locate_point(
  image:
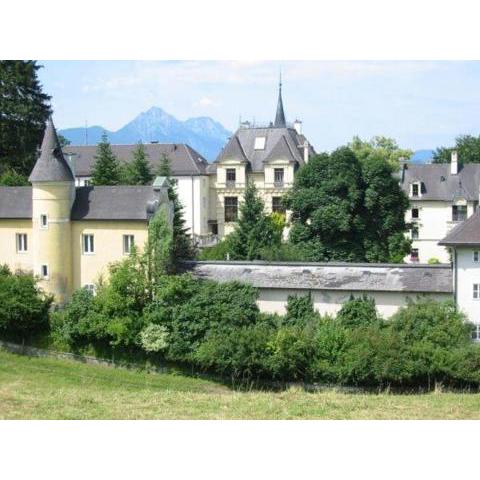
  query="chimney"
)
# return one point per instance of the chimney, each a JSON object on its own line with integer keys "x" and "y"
{"x": 454, "y": 163}
{"x": 297, "y": 125}
{"x": 306, "y": 151}
{"x": 403, "y": 166}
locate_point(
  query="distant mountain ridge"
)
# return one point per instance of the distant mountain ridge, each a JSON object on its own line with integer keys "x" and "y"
{"x": 204, "y": 134}
{"x": 422, "y": 156}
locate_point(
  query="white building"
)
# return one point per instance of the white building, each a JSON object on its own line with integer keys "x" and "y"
{"x": 441, "y": 196}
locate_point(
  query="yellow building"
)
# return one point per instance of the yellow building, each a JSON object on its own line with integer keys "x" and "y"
{"x": 67, "y": 235}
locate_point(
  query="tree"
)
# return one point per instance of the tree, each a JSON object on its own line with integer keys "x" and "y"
{"x": 63, "y": 141}
{"x": 10, "y": 178}
{"x": 182, "y": 243}
{"x": 467, "y": 146}
{"x": 24, "y": 110}
{"x": 379, "y": 147}
{"x": 138, "y": 171}
{"x": 254, "y": 230}
{"x": 347, "y": 209}
{"x": 106, "y": 169}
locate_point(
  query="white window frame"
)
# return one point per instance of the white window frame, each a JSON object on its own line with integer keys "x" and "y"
{"x": 419, "y": 186}
{"x": 22, "y": 246}
{"x": 418, "y": 212}
{"x": 476, "y": 333}
{"x": 130, "y": 244}
{"x": 476, "y": 291}
{"x": 88, "y": 247}
{"x": 90, "y": 287}
{"x": 44, "y": 226}
{"x": 47, "y": 275}
{"x": 476, "y": 256}
{"x": 260, "y": 143}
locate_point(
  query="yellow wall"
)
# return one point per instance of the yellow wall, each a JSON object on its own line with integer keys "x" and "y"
{"x": 108, "y": 240}
{"x": 8, "y": 244}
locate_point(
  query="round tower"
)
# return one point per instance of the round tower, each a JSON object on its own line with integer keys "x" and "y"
{"x": 53, "y": 193}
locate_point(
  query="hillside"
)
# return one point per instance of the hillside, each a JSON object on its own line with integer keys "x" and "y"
{"x": 202, "y": 133}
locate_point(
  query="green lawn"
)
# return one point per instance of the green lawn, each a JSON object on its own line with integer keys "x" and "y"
{"x": 38, "y": 388}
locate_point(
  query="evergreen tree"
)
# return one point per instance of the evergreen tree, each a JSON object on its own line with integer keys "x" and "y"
{"x": 183, "y": 248}
{"x": 255, "y": 230}
{"x": 24, "y": 110}
{"x": 106, "y": 170}
{"x": 138, "y": 171}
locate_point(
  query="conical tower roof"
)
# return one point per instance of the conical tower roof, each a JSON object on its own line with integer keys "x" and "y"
{"x": 280, "y": 115}
{"x": 51, "y": 166}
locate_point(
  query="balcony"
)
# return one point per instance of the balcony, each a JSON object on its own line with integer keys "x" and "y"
{"x": 230, "y": 183}
{"x": 278, "y": 184}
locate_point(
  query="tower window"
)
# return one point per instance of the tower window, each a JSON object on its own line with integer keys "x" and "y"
{"x": 260, "y": 143}
{"x": 231, "y": 176}
{"x": 88, "y": 244}
{"x": 128, "y": 242}
{"x": 231, "y": 209}
{"x": 43, "y": 221}
{"x": 278, "y": 177}
{"x": 44, "y": 272}
{"x": 22, "y": 245}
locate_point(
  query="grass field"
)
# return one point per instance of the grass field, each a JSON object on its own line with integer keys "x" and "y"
{"x": 39, "y": 388}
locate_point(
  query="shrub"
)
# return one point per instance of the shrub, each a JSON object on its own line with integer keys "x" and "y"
{"x": 358, "y": 312}
{"x": 217, "y": 252}
{"x": 433, "y": 261}
{"x": 300, "y": 310}
{"x": 154, "y": 338}
{"x": 24, "y": 306}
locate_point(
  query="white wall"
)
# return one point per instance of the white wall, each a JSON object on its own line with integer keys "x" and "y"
{"x": 468, "y": 273}
{"x": 273, "y": 300}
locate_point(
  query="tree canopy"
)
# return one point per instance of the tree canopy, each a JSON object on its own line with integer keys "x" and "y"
{"x": 106, "y": 169}
{"x": 24, "y": 110}
{"x": 467, "y": 146}
{"x": 138, "y": 171}
{"x": 345, "y": 209}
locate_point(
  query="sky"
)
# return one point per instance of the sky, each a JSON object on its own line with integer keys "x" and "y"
{"x": 421, "y": 104}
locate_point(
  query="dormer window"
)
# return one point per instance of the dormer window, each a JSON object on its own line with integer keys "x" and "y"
{"x": 416, "y": 189}
{"x": 260, "y": 143}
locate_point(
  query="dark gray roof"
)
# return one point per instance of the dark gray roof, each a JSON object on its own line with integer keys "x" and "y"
{"x": 112, "y": 203}
{"x": 330, "y": 276}
{"x": 440, "y": 184}
{"x": 467, "y": 233}
{"x": 184, "y": 160}
{"x": 281, "y": 151}
{"x": 233, "y": 151}
{"x": 256, "y": 158}
{"x": 280, "y": 115}
{"x": 51, "y": 165}
{"x": 15, "y": 202}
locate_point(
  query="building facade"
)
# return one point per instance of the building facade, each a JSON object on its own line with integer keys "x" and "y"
{"x": 441, "y": 197}
{"x": 67, "y": 235}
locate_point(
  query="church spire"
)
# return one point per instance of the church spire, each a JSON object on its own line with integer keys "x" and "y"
{"x": 280, "y": 116}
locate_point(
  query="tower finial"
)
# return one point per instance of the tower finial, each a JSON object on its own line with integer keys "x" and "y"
{"x": 280, "y": 116}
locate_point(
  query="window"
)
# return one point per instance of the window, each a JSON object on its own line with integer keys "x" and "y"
{"x": 476, "y": 256}
{"x": 90, "y": 287}
{"x": 88, "y": 245}
{"x": 278, "y": 177}
{"x": 476, "y": 291}
{"x": 259, "y": 143}
{"x": 231, "y": 176}
{"x": 231, "y": 209}
{"x": 128, "y": 242}
{"x": 22, "y": 242}
{"x": 476, "y": 333}
{"x": 415, "y": 189}
{"x": 277, "y": 205}
{"x": 44, "y": 271}
{"x": 87, "y": 183}
{"x": 459, "y": 213}
{"x": 43, "y": 221}
{"x": 415, "y": 213}
{"x": 415, "y": 233}
{"x": 414, "y": 255}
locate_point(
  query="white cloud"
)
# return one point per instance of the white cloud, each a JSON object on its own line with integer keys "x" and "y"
{"x": 205, "y": 102}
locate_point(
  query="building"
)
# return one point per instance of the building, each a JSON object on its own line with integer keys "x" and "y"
{"x": 266, "y": 155}
{"x": 189, "y": 169}
{"x": 68, "y": 235}
{"x": 441, "y": 196}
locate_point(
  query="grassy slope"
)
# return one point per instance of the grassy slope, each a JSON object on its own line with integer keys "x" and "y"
{"x": 34, "y": 388}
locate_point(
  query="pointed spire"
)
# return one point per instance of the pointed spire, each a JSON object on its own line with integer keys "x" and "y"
{"x": 51, "y": 166}
{"x": 280, "y": 116}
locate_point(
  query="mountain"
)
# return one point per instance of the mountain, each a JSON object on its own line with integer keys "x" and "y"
{"x": 202, "y": 133}
{"x": 422, "y": 156}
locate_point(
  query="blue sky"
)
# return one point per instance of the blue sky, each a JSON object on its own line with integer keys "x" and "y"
{"x": 420, "y": 104}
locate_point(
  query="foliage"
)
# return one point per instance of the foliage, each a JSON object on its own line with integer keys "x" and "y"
{"x": 24, "y": 111}
{"x": 299, "y": 310}
{"x": 154, "y": 338}
{"x": 106, "y": 169}
{"x": 357, "y": 312}
{"x": 160, "y": 248}
{"x": 255, "y": 229}
{"x": 220, "y": 251}
{"x": 138, "y": 171}
{"x": 10, "y": 178}
{"x": 346, "y": 209}
{"x": 433, "y": 261}
{"x": 467, "y": 147}
{"x": 25, "y": 307}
